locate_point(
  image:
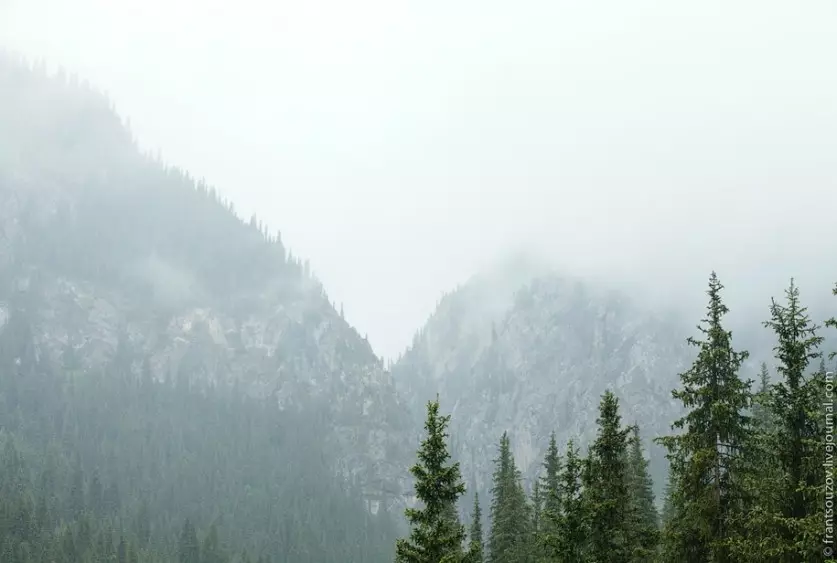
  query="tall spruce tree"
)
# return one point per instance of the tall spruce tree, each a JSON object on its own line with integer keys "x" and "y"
{"x": 566, "y": 537}
{"x": 789, "y": 527}
{"x": 762, "y": 418}
{"x": 606, "y": 500}
{"x": 434, "y": 536}
{"x": 476, "y": 540}
{"x": 643, "y": 520}
{"x": 537, "y": 507}
{"x": 759, "y": 540}
{"x": 707, "y": 457}
{"x": 536, "y": 528}
{"x": 509, "y": 540}
{"x": 551, "y": 482}
{"x": 668, "y": 512}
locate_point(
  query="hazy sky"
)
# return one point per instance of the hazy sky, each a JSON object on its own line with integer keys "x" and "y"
{"x": 401, "y": 144}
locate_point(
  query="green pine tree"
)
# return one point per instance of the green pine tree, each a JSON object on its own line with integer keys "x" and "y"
{"x": 790, "y": 495}
{"x": 680, "y": 541}
{"x": 643, "y": 529}
{"x": 551, "y": 483}
{"x": 763, "y": 421}
{"x": 566, "y": 538}
{"x": 537, "y": 506}
{"x": 606, "y": 499}
{"x": 509, "y": 540}
{"x": 476, "y": 540}
{"x": 707, "y": 457}
{"x": 536, "y": 510}
{"x": 434, "y": 537}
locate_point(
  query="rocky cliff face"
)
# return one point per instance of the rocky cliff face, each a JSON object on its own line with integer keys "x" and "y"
{"x": 537, "y": 359}
{"x": 112, "y": 254}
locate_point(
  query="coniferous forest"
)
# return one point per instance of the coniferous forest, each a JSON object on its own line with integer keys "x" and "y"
{"x": 111, "y": 467}
{"x": 119, "y": 448}
{"x": 747, "y": 478}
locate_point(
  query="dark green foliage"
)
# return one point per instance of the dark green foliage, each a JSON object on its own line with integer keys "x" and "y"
{"x": 510, "y": 539}
{"x": 110, "y": 450}
{"x": 110, "y": 465}
{"x": 536, "y": 511}
{"x": 566, "y": 537}
{"x": 643, "y": 521}
{"x": 551, "y": 482}
{"x": 113, "y": 453}
{"x": 789, "y": 492}
{"x": 606, "y": 499}
{"x": 476, "y": 541}
{"x": 707, "y": 457}
{"x": 435, "y": 537}
{"x": 763, "y": 420}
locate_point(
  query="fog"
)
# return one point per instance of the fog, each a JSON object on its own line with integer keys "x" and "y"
{"x": 403, "y": 146}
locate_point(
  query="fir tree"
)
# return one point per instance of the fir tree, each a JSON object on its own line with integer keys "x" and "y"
{"x": 434, "y": 538}
{"x": 792, "y": 495}
{"x": 762, "y": 418}
{"x": 551, "y": 482}
{"x": 509, "y": 540}
{"x": 680, "y": 539}
{"x": 567, "y": 539}
{"x": 707, "y": 458}
{"x": 537, "y": 519}
{"x": 476, "y": 540}
{"x": 643, "y": 521}
{"x": 606, "y": 501}
{"x": 537, "y": 506}
{"x": 669, "y": 508}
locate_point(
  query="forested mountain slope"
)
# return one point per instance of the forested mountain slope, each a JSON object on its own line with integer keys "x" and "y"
{"x": 539, "y": 361}
{"x": 528, "y": 351}
{"x": 115, "y": 266}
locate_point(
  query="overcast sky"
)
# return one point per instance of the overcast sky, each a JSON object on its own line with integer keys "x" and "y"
{"x": 403, "y": 144}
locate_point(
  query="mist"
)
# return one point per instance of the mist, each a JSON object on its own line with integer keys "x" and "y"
{"x": 405, "y": 146}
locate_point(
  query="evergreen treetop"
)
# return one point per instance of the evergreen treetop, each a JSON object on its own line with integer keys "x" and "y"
{"x": 434, "y": 537}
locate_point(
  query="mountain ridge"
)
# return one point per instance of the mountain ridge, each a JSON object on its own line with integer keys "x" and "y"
{"x": 119, "y": 251}
{"x": 540, "y": 366}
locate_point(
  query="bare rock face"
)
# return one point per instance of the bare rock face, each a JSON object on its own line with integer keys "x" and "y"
{"x": 539, "y": 364}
